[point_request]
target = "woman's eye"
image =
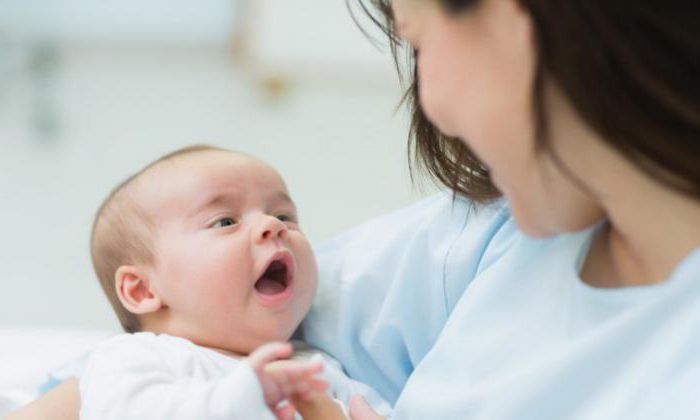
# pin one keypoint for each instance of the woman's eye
(224, 222)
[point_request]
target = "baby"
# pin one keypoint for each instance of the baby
(201, 256)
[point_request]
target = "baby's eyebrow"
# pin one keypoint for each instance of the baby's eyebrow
(224, 199)
(208, 202)
(284, 197)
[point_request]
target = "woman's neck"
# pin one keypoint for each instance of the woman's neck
(651, 227)
(650, 231)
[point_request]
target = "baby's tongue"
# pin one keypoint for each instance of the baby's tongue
(267, 286)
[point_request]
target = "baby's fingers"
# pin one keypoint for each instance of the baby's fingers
(313, 387)
(307, 389)
(268, 353)
(295, 377)
(285, 412)
(293, 369)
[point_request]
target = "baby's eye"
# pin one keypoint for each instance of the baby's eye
(286, 218)
(224, 222)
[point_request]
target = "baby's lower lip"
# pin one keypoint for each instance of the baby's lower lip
(278, 299)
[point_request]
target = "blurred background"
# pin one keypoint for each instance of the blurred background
(92, 91)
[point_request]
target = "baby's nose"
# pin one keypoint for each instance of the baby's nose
(271, 228)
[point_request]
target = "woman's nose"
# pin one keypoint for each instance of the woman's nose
(270, 227)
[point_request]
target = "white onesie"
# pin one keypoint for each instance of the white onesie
(148, 376)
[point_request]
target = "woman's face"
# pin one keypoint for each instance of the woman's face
(476, 71)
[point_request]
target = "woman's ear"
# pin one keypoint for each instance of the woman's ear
(135, 292)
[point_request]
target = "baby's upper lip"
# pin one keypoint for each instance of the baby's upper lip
(286, 258)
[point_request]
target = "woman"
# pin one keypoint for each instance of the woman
(585, 116)
(578, 294)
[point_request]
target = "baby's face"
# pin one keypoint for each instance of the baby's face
(232, 267)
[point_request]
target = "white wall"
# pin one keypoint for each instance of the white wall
(340, 147)
(118, 88)
(181, 21)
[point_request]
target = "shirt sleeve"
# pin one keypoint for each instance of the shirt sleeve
(342, 387)
(129, 379)
(387, 287)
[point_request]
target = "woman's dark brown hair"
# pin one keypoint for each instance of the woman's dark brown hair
(631, 69)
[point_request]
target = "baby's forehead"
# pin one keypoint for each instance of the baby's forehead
(188, 174)
(207, 157)
(195, 163)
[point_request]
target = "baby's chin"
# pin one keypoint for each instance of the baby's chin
(244, 339)
(247, 347)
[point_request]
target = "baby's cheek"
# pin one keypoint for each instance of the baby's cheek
(307, 271)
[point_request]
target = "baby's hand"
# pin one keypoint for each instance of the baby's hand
(280, 379)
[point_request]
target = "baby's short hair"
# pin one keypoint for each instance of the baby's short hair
(123, 233)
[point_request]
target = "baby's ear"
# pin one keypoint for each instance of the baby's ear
(135, 292)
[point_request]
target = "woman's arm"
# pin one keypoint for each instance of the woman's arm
(60, 403)
(360, 410)
(422, 257)
(63, 403)
(320, 406)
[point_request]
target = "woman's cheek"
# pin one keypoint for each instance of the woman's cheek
(431, 102)
(437, 93)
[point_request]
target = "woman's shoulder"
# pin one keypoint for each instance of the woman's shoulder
(431, 223)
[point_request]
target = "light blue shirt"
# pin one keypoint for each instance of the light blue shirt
(450, 312)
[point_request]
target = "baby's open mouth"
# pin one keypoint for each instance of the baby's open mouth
(274, 280)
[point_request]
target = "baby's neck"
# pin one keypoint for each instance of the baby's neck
(227, 353)
(150, 327)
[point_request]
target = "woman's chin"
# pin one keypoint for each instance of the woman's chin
(536, 231)
(533, 226)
